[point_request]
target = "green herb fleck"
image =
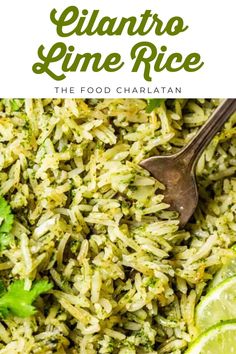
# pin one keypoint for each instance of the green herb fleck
(16, 104)
(153, 103)
(6, 221)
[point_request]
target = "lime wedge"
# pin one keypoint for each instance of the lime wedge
(228, 270)
(219, 339)
(218, 305)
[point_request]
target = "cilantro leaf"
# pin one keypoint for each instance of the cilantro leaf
(18, 302)
(6, 221)
(153, 103)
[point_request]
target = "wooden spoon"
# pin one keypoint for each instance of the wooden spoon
(177, 172)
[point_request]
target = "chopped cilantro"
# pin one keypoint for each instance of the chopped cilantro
(6, 221)
(153, 103)
(16, 104)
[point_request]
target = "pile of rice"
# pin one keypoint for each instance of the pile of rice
(125, 278)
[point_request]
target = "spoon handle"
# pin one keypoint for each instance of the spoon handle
(193, 150)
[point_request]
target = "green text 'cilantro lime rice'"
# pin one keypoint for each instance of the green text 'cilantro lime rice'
(92, 260)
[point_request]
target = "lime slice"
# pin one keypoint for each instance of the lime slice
(228, 270)
(219, 339)
(218, 305)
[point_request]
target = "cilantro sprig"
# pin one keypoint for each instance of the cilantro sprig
(6, 221)
(17, 301)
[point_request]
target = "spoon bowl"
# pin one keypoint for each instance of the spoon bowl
(177, 172)
(180, 183)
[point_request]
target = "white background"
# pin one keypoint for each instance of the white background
(25, 25)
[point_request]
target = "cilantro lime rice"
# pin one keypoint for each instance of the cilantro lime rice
(92, 261)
